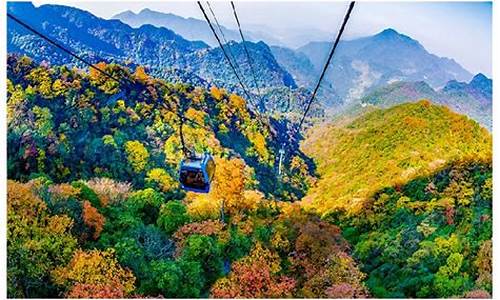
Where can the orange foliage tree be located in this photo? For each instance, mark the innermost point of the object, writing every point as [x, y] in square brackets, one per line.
[93, 219]
[96, 291]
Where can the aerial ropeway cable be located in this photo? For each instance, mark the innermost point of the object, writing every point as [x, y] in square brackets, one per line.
[126, 82]
[318, 84]
[196, 171]
[223, 36]
[226, 55]
[325, 68]
[249, 58]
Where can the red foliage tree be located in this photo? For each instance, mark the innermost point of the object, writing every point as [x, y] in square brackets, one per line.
[255, 276]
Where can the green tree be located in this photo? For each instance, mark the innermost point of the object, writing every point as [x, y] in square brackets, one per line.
[173, 215]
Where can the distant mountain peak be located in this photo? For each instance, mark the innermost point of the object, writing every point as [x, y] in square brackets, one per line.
[480, 77]
[392, 34]
[124, 14]
[388, 32]
[482, 84]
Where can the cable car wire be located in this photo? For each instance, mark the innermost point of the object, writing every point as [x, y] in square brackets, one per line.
[90, 65]
[250, 62]
[332, 51]
[224, 51]
[62, 48]
[226, 42]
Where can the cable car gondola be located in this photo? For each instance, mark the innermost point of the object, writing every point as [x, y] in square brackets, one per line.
[196, 173]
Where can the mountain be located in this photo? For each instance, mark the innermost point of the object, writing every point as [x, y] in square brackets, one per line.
[92, 37]
[363, 64]
[473, 99]
[305, 74]
[387, 147]
[190, 28]
[298, 64]
[162, 51]
[410, 187]
[402, 207]
[267, 70]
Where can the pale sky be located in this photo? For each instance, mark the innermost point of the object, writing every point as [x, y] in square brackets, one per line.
[458, 30]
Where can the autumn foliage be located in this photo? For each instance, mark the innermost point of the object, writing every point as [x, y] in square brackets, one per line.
[93, 219]
[255, 276]
[90, 269]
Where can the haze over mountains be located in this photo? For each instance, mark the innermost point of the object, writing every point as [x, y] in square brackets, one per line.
[472, 99]
[195, 29]
[179, 49]
[190, 28]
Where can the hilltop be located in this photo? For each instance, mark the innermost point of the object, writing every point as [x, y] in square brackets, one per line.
[387, 147]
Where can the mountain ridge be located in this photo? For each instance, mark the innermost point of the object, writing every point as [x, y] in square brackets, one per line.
[472, 99]
[364, 63]
[161, 50]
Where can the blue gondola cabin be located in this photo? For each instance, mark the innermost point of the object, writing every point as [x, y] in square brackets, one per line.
[196, 173]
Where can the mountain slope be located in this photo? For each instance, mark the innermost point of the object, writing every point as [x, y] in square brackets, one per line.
[161, 50]
[59, 114]
[472, 99]
[387, 147]
[428, 238]
[92, 37]
[365, 63]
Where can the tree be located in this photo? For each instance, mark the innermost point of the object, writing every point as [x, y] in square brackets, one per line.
[140, 74]
[448, 281]
[484, 266]
[97, 291]
[255, 276]
[94, 267]
[173, 215]
[207, 251]
[176, 279]
[137, 155]
[145, 204]
[37, 243]
[93, 219]
[159, 178]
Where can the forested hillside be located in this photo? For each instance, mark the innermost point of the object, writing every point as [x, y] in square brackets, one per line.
[390, 198]
[56, 115]
[386, 147]
[411, 189]
[96, 210]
